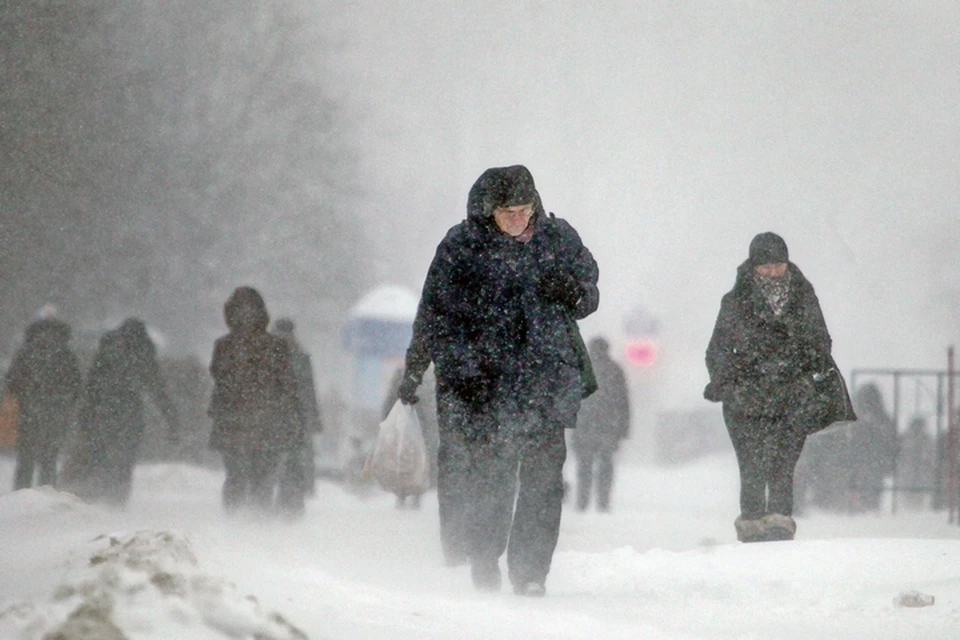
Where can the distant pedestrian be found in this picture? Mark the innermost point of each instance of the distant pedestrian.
(916, 465)
(255, 407)
(299, 472)
(871, 450)
(112, 418)
(603, 422)
(499, 310)
(770, 364)
(45, 380)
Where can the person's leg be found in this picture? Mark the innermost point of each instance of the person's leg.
(584, 477)
(263, 469)
(785, 451)
(747, 445)
(23, 475)
(235, 464)
(490, 489)
(47, 459)
(293, 484)
(604, 478)
(536, 521)
(453, 467)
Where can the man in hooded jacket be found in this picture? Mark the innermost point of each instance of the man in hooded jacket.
(497, 317)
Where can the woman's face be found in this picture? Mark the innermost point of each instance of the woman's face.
(773, 270)
(513, 220)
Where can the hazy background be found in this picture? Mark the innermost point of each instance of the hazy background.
(318, 149)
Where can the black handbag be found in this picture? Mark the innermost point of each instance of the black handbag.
(825, 400)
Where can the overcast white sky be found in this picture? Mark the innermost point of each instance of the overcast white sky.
(669, 135)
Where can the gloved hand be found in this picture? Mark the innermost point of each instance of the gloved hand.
(407, 392)
(556, 285)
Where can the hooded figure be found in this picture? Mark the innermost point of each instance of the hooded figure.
(112, 415)
(255, 406)
(603, 421)
(45, 380)
(770, 364)
(497, 317)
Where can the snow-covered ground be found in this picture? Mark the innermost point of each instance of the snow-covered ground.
(664, 564)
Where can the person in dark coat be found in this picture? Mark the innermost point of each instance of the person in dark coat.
(299, 472)
(255, 407)
(45, 380)
(871, 450)
(769, 351)
(498, 313)
(603, 421)
(112, 422)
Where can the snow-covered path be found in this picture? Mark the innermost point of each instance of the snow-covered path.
(664, 564)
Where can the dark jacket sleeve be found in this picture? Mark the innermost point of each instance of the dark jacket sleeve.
(579, 262)
(447, 313)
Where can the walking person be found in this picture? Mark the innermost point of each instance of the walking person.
(112, 419)
(770, 365)
(299, 474)
(603, 421)
(499, 309)
(255, 407)
(45, 380)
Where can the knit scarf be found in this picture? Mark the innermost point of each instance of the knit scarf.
(775, 291)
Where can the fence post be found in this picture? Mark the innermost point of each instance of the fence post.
(951, 440)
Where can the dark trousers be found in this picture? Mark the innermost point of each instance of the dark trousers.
(588, 460)
(767, 449)
(251, 474)
(31, 456)
(501, 488)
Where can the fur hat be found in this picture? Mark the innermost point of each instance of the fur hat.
(768, 248)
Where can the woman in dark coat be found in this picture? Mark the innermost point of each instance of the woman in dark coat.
(767, 359)
(255, 407)
(497, 318)
(112, 415)
(45, 380)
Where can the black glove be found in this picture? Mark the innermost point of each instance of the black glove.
(558, 286)
(407, 392)
(476, 391)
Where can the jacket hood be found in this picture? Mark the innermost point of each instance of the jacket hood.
(246, 310)
(502, 187)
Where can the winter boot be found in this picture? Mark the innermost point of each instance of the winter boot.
(530, 589)
(750, 529)
(779, 526)
(485, 574)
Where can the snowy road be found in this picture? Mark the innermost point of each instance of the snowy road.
(665, 564)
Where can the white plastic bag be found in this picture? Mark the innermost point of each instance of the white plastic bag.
(398, 461)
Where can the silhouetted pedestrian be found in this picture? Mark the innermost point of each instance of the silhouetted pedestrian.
(603, 421)
(44, 378)
(112, 421)
(255, 407)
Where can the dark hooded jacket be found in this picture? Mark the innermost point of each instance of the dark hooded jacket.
(254, 403)
(604, 418)
(124, 369)
(45, 379)
(484, 319)
(763, 364)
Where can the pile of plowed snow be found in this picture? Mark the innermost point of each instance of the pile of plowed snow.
(143, 585)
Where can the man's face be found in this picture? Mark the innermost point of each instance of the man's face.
(513, 220)
(772, 270)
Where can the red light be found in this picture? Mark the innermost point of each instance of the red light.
(642, 353)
